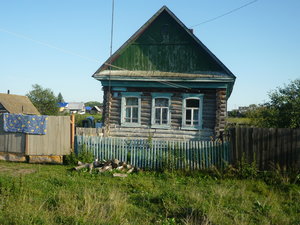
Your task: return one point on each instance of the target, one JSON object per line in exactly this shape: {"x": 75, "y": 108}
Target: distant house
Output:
{"x": 17, "y": 104}
{"x": 95, "y": 110}
{"x": 62, "y": 106}
{"x": 75, "y": 107}
{"x": 164, "y": 83}
{"x": 88, "y": 109}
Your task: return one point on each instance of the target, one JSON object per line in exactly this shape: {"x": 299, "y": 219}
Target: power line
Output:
{"x": 225, "y": 14}
{"x": 48, "y": 45}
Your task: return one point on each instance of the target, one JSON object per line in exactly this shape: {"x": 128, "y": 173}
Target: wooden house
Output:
{"x": 164, "y": 83}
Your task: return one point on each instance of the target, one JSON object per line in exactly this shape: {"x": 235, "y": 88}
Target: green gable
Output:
{"x": 166, "y": 46}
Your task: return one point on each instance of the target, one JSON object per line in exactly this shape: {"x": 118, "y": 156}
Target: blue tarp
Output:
{"x": 62, "y": 104}
{"x": 30, "y": 124}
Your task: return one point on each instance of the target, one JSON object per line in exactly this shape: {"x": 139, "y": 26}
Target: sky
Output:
{"x": 60, "y": 44}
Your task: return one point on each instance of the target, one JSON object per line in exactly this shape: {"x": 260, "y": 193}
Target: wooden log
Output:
{"x": 103, "y": 169}
{"x": 120, "y": 175}
{"x": 85, "y": 165}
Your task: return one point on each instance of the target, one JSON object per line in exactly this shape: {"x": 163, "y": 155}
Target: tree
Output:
{"x": 283, "y": 109}
{"x": 43, "y": 99}
{"x": 60, "y": 98}
{"x": 93, "y": 103}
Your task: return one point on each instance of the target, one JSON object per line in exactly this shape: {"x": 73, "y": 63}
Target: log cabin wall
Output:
{"x": 221, "y": 108}
{"x": 114, "y": 117}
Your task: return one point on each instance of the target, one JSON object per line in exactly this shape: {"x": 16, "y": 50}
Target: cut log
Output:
{"x": 86, "y": 165}
{"x": 103, "y": 169}
{"x": 130, "y": 170}
{"x": 91, "y": 166}
{"x": 115, "y": 163}
{"x": 129, "y": 166}
{"x": 120, "y": 168}
{"x": 120, "y": 175}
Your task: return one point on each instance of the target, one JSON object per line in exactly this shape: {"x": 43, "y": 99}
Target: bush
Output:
{"x": 79, "y": 118}
{"x": 84, "y": 155}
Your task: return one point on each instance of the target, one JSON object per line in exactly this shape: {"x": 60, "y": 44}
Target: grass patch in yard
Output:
{"x": 57, "y": 195}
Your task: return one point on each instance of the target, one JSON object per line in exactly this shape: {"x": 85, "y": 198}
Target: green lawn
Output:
{"x": 45, "y": 194}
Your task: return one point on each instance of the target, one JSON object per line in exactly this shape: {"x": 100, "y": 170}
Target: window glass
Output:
{"x": 192, "y": 112}
{"x": 192, "y": 103}
{"x": 161, "y": 111}
{"x": 188, "y": 115}
{"x": 128, "y": 114}
{"x": 131, "y": 110}
{"x": 164, "y": 115}
{"x": 135, "y": 115}
{"x": 131, "y": 101}
{"x": 160, "y": 102}
{"x": 157, "y": 116}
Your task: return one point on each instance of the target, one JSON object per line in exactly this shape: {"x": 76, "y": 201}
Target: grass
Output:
{"x": 52, "y": 194}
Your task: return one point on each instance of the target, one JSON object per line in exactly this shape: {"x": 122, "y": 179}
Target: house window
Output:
{"x": 131, "y": 109}
{"x": 161, "y": 106}
{"x": 192, "y": 111}
{"x": 161, "y": 116}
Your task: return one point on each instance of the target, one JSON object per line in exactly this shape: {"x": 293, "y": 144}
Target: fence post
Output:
{"x": 72, "y": 124}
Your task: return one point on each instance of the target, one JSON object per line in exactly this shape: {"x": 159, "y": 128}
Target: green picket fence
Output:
{"x": 157, "y": 154}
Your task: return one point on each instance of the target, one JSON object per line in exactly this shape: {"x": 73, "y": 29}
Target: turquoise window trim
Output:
{"x": 125, "y": 95}
{"x": 161, "y": 95}
{"x": 200, "y": 115}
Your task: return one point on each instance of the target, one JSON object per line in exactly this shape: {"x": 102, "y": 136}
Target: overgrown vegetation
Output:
{"x": 83, "y": 156}
{"x": 57, "y": 195}
{"x": 43, "y": 99}
{"x": 79, "y": 118}
{"x": 283, "y": 109}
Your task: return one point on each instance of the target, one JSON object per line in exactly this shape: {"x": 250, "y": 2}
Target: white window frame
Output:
{"x": 166, "y": 96}
{"x": 125, "y": 95}
{"x": 200, "y": 111}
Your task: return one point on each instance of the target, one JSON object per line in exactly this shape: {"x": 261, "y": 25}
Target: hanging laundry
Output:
{"x": 30, "y": 124}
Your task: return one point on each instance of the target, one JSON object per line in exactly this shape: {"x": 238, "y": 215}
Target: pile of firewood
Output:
{"x": 109, "y": 165}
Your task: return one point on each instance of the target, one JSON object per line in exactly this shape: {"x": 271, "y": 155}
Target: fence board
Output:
{"x": 271, "y": 147}
{"x": 55, "y": 142}
{"x": 11, "y": 142}
{"x": 157, "y": 154}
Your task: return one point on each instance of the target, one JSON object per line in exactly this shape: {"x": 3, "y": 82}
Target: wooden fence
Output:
{"x": 56, "y": 141}
{"x": 83, "y": 131}
{"x": 268, "y": 147}
{"x": 11, "y": 142}
{"x": 157, "y": 154}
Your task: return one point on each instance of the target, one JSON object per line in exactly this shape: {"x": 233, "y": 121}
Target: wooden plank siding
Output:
{"x": 213, "y": 114}
{"x": 268, "y": 147}
{"x": 55, "y": 142}
{"x": 11, "y": 142}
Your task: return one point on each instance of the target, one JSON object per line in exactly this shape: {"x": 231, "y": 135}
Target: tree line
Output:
{"x": 281, "y": 111}
{"x": 46, "y": 101}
